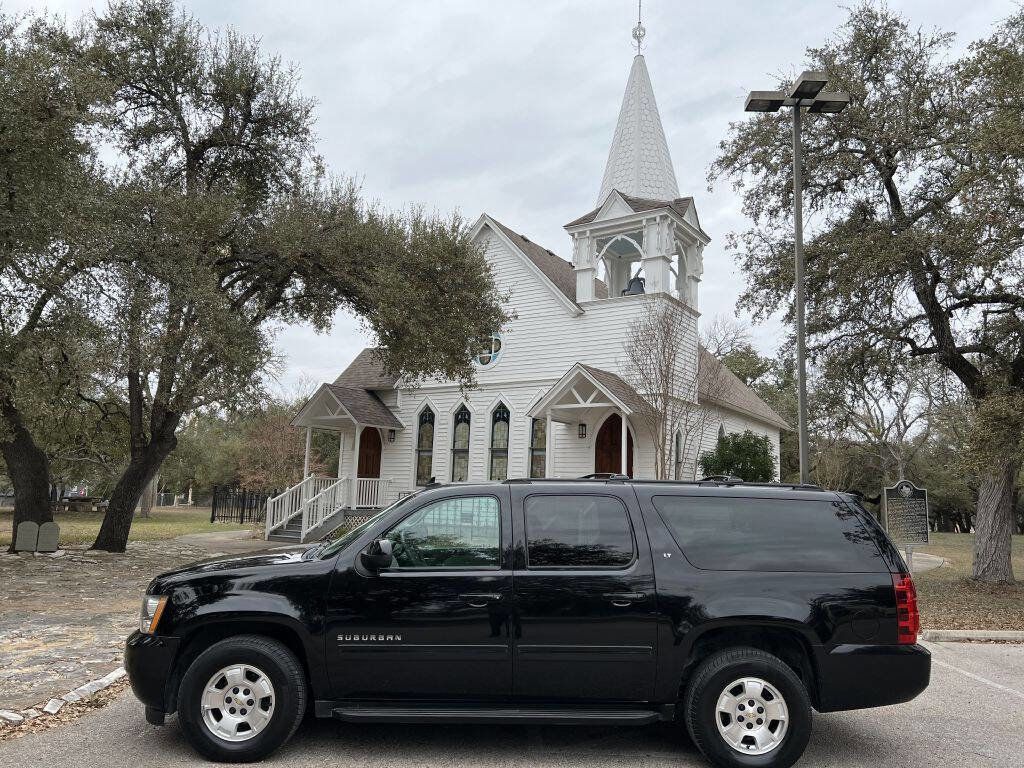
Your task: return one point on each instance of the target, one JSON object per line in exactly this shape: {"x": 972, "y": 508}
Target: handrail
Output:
{"x": 287, "y": 505}
{"x": 323, "y": 505}
{"x": 372, "y": 491}
{"x": 316, "y": 498}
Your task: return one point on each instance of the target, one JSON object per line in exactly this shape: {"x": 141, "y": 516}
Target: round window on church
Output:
{"x": 490, "y": 351}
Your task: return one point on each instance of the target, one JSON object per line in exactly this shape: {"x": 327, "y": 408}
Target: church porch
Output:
{"x": 591, "y": 414}
{"x": 365, "y": 430}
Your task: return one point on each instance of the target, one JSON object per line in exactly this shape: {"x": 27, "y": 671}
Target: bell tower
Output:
{"x": 643, "y": 237}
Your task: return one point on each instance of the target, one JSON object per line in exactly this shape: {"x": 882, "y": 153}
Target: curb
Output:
{"x": 967, "y": 635}
{"x": 10, "y": 717}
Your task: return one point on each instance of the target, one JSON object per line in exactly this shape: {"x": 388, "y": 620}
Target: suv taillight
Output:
{"x": 908, "y": 619}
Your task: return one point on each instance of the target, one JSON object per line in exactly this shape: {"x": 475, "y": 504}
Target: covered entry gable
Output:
{"x": 584, "y": 389}
{"x": 333, "y": 406}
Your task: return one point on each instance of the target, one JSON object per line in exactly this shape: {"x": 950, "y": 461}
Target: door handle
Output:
{"x": 480, "y": 599}
{"x": 622, "y": 599}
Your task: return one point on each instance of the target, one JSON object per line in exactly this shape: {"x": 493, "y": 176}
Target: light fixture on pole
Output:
{"x": 808, "y": 91}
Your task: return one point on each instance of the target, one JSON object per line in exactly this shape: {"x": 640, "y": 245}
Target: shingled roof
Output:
{"x": 639, "y": 204}
{"x": 367, "y": 372}
{"x": 556, "y": 269}
{"x": 722, "y": 387}
{"x": 365, "y": 407}
{"x": 617, "y": 386}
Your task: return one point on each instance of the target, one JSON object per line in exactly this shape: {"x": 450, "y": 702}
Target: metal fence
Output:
{"x": 234, "y": 504}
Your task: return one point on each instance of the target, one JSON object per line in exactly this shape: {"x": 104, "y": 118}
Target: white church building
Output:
{"x": 553, "y": 398}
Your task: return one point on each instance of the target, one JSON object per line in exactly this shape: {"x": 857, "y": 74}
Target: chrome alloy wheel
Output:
{"x": 238, "y": 702}
{"x": 751, "y": 716}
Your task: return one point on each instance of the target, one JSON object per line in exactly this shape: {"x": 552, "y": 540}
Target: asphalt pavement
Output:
{"x": 972, "y": 714}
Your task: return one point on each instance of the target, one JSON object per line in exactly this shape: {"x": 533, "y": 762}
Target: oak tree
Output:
{"x": 915, "y": 196}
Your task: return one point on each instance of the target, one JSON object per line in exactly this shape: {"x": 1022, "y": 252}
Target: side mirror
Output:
{"x": 378, "y": 555}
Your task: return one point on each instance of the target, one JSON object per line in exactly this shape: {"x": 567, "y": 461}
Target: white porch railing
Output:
{"x": 373, "y": 491}
{"x": 317, "y": 498}
{"x": 324, "y": 504}
{"x": 284, "y": 507}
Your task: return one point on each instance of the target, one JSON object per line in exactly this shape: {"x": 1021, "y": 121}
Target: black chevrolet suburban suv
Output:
{"x": 735, "y": 608}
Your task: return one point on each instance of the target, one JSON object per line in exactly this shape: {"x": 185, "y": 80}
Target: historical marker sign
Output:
{"x": 906, "y": 513}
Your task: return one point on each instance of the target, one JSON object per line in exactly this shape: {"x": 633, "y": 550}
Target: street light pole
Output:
{"x": 806, "y": 92}
{"x": 801, "y": 348}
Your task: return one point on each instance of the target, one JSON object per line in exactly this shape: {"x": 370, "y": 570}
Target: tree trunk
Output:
{"x": 149, "y": 497}
{"x": 28, "y": 469}
{"x": 994, "y": 523}
{"x": 113, "y": 535}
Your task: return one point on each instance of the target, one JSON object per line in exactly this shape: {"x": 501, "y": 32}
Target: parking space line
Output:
{"x": 979, "y": 678}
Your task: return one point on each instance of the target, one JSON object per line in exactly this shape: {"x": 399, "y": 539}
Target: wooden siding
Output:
{"x": 540, "y": 345}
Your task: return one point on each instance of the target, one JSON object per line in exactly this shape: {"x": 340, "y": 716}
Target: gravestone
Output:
{"x": 27, "y": 537}
{"x": 48, "y": 536}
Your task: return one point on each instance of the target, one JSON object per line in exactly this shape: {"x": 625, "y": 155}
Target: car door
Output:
{"x": 435, "y": 624}
{"x": 585, "y": 625}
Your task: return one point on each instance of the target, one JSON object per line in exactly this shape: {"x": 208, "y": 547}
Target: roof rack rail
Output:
{"x": 715, "y": 481}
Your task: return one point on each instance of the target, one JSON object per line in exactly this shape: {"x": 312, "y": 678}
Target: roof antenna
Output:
{"x": 638, "y": 31}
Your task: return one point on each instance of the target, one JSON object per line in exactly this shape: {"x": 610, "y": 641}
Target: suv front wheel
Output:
{"x": 242, "y": 698}
{"x": 745, "y": 708}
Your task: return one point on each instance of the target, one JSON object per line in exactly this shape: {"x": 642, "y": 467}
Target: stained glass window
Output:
{"x": 460, "y": 445}
{"x": 499, "y": 442}
{"x": 490, "y": 350}
{"x": 538, "y": 448}
{"x": 425, "y": 447}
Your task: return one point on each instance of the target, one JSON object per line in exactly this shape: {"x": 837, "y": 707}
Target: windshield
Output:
{"x": 331, "y": 546}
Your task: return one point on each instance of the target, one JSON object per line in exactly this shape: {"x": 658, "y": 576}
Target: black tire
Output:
{"x": 286, "y": 674}
{"x": 709, "y": 681}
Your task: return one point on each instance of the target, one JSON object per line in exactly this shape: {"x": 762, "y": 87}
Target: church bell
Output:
{"x": 636, "y": 286}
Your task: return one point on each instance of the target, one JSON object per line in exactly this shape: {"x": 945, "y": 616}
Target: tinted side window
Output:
{"x": 736, "y": 534}
{"x": 453, "y": 533}
{"x": 578, "y": 532}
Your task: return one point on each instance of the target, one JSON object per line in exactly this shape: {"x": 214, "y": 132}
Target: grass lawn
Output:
{"x": 949, "y": 599}
{"x": 163, "y": 523}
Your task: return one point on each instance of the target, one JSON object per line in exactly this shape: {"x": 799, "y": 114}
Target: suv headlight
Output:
{"x": 152, "y": 610}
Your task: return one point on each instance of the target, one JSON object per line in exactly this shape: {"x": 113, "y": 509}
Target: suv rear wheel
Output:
{"x": 745, "y": 707}
{"x": 242, "y": 698}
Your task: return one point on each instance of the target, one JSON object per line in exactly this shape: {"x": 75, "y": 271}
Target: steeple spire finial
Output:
{"x": 639, "y": 163}
{"x": 638, "y": 31}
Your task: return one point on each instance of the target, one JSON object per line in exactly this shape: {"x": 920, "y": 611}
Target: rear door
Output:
{"x": 585, "y": 622}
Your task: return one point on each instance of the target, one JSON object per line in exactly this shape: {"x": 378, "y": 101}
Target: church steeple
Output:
{"x": 630, "y": 245}
{"x": 639, "y": 163}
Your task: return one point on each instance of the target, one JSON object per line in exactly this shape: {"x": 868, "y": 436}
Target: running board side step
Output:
{"x": 496, "y": 715}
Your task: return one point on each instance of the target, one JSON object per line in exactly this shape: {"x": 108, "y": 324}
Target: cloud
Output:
{"x": 508, "y": 107}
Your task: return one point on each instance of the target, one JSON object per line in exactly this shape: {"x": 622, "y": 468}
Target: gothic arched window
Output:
{"x": 679, "y": 456}
{"x": 460, "y": 445}
{"x": 425, "y": 447}
{"x": 538, "y": 447}
{"x": 499, "y": 442}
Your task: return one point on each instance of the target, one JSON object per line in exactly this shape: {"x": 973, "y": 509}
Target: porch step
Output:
{"x": 291, "y": 532}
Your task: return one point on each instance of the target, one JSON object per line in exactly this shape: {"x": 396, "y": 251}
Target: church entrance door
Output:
{"x": 369, "y": 453}
{"x": 608, "y": 447}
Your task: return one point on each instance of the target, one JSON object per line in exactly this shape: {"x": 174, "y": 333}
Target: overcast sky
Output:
{"x": 508, "y": 107}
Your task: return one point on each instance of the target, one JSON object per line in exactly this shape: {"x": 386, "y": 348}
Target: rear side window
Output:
{"x": 736, "y": 534}
{"x": 578, "y": 532}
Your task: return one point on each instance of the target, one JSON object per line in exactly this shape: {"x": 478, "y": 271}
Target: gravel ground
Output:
{"x": 64, "y": 620}
{"x": 971, "y": 715}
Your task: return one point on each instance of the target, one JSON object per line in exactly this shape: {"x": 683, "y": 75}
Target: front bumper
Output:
{"x": 860, "y": 676}
{"x": 149, "y": 662}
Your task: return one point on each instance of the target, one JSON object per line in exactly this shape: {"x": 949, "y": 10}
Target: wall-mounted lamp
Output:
{"x": 391, "y": 435}
{"x": 582, "y": 431}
